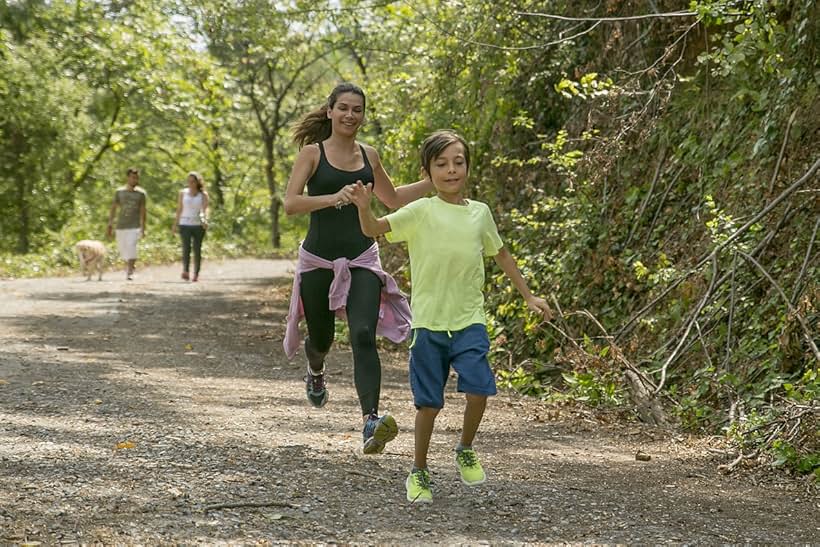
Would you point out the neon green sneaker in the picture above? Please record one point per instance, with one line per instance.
(470, 468)
(418, 487)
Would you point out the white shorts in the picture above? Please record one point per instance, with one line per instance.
(127, 243)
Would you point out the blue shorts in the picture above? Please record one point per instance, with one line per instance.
(433, 352)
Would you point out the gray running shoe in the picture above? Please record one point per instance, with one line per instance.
(378, 431)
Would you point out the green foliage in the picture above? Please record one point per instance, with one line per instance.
(787, 455)
(589, 86)
(788, 437)
(749, 33)
(806, 389)
(521, 381)
(592, 389)
(613, 161)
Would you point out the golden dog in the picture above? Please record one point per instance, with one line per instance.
(92, 255)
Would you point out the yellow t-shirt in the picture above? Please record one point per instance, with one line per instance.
(447, 244)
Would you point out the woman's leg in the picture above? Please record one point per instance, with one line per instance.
(320, 320)
(198, 236)
(320, 323)
(185, 235)
(362, 316)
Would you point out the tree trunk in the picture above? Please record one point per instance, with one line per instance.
(274, 213)
(275, 237)
(219, 178)
(15, 170)
(23, 242)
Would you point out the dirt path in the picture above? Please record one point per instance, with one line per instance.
(191, 379)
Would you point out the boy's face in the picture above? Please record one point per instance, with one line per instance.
(448, 170)
(347, 113)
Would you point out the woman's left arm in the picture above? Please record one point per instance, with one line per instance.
(383, 187)
(205, 200)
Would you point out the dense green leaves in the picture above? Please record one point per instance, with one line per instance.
(616, 154)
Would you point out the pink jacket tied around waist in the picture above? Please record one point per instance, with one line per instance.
(394, 311)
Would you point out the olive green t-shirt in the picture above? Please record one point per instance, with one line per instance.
(447, 244)
(130, 202)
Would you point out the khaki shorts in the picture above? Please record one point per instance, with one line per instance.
(127, 243)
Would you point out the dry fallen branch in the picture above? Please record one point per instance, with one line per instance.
(789, 422)
(691, 322)
(731, 314)
(782, 149)
(235, 504)
(766, 210)
(648, 407)
(560, 313)
(740, 231)
(660, 205)
(460, 38)
(728, 467)
(806, 331)
(622, 18)
(564, 334)
(649, 194)
(799, 280)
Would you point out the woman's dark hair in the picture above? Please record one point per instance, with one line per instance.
(315, 126)
(200, 182)
(434, 145)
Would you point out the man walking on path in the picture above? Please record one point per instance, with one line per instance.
(131, 200)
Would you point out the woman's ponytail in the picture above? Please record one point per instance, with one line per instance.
(315, 126)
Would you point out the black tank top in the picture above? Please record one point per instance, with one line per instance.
(335, 233)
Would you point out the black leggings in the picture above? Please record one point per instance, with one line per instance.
(362, 316)
(190, 234)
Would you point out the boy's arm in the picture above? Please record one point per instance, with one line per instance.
(507, 263)
(371, 226)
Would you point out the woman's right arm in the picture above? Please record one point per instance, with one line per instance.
(179, 212)
(296, 202)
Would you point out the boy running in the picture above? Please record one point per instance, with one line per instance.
(447, 237)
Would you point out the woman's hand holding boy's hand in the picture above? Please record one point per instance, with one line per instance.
(343, 195)
(540, 306)
(361, 194)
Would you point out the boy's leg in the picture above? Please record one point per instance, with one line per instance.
(429, 368)
(425, 420)
(417, 484)
(476, 380)
(473, 413)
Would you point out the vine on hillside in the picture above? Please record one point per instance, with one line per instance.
(688, 235)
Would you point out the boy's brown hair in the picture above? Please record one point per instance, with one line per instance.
(434, 145)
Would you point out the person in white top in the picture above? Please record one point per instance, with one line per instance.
(192, 222)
